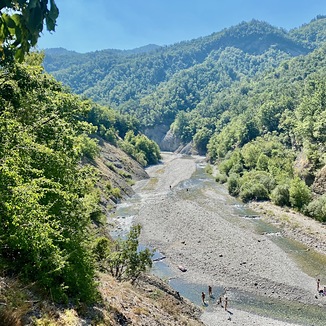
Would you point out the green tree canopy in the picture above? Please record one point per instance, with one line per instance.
(21, 22)
(47, 198)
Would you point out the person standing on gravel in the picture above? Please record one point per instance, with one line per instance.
(226, 303)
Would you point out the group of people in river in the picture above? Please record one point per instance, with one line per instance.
(222, 298)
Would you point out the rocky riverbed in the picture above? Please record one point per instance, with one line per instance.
(198, 229)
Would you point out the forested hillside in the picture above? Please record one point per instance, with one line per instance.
(58, 181)
(59, 178)
(49, 199)
(114, 78)
(251, 97)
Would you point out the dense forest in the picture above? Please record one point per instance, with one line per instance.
(251, 97)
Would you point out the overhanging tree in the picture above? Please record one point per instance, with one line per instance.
(21, 23)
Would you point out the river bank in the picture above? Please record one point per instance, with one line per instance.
(199, 231)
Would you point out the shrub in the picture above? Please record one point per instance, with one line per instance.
(122, 258)
(89, 147)
(221, 178)
(280, 195)
(262, 162)
(233, 164)
(208, 169)
(233, 185)
(253, 191)
(141, 148)
(237, 168)
(317, 209)
(225, 166)
(101, 251)
(116, 193)
(125, 174)
(300, 194)
(110, 136)
(261, 177)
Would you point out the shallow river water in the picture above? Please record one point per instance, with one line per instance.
(311, 262)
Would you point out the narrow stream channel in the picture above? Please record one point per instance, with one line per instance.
(311, 262)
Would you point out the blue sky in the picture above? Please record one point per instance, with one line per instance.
(90, 25)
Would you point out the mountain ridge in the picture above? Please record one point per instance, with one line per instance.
(110, 78)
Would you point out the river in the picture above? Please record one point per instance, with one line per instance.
(191, 221)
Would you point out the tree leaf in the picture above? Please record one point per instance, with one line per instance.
(54, 11)
(9, 21)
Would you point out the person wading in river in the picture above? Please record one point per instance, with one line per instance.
(203, 297)
(210, 293)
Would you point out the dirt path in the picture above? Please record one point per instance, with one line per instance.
(198, 230)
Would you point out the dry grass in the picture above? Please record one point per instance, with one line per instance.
(122, 303)
(144, 304)
(151, 184)
(140, 311)
(15, 301)
(160, 171)
(22, 305)
(170, 307)
(8, 317)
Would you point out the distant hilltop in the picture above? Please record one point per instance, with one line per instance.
(142, 49)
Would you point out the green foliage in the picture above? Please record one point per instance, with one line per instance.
(259, 167)
(47, 198)
(113, 193)
(280, 195)
(300, 194)
(221, 178)
(317, 209)
(183, 126)
(141, 148)
(89, 147)
(101, 249)
(116, 193)
(256, 185)
(208, 169)
(155, 85)
(262, 177)
(110, 124)
(233, 164)
(311, 35)
(125, 174)
(21, 23)
(252, 190)
(233, 185)
(201, 139)
(122, 258)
